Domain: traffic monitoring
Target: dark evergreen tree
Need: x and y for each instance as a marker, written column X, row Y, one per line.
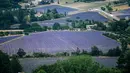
column 56, row 26
column 21, row 52
column 95, row 51
column 52, row 1
column 15, row 65
column 127, row 62
column 4, row 63
column 4, row 4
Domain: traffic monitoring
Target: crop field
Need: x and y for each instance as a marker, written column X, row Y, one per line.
column 51, row 22
column 90, row 16
column 60, row 41
column 30, row 64
column 79, row 16
column 122, row 7
column 124, row 16
column 4, row 39
column 125, row 11
column 60, row 9
column 122, row 13
column 85, row 6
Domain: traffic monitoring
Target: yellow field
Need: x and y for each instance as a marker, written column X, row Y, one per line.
column 122, row 7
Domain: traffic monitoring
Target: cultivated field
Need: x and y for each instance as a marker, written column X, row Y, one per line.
column 29, row 64
column 122, row 7
column 85, row 6
column 122, row 13
column 81, row 16
column 59, row 8
column 4, row 39
column 88, row 15
column 60, row 41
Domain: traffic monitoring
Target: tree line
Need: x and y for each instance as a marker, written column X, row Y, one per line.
column 119, row 30
column 9, row 65
column 95, row 51
column 76, row 64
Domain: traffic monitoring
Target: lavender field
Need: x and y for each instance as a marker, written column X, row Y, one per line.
column 50, row 23
column 60, row 9
column 4, row 39
column 90, row 16
column 30, row 64
column 122, row 13
column 60, row 41
column 80, row 16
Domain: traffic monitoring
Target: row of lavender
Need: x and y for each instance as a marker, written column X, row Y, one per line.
column 60, row 41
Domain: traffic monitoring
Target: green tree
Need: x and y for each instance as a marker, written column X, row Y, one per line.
column 73, row 24
column 65, row 27
column 128, row 30
column 52, row 1
column 5, row 4
column 123, row 57
column 56, row 26
column 127, row 62
column 118, row 26
column 21, row 52
column 77, row 51
column 128, row 2
column 107, row 70
column 15, row 65
column 36, row 27
column 77, row 64
column 4, row 63
column 41, row 71
column 103, row 8
column 128, row 40
column 95, row 51
column 109, row 8
column 114, row 52
column 2, row 34
column 32, row 15
column 59, row 69
column 54, row 11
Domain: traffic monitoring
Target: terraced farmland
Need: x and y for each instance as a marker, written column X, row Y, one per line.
column 60, row 41
column 60, row 9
